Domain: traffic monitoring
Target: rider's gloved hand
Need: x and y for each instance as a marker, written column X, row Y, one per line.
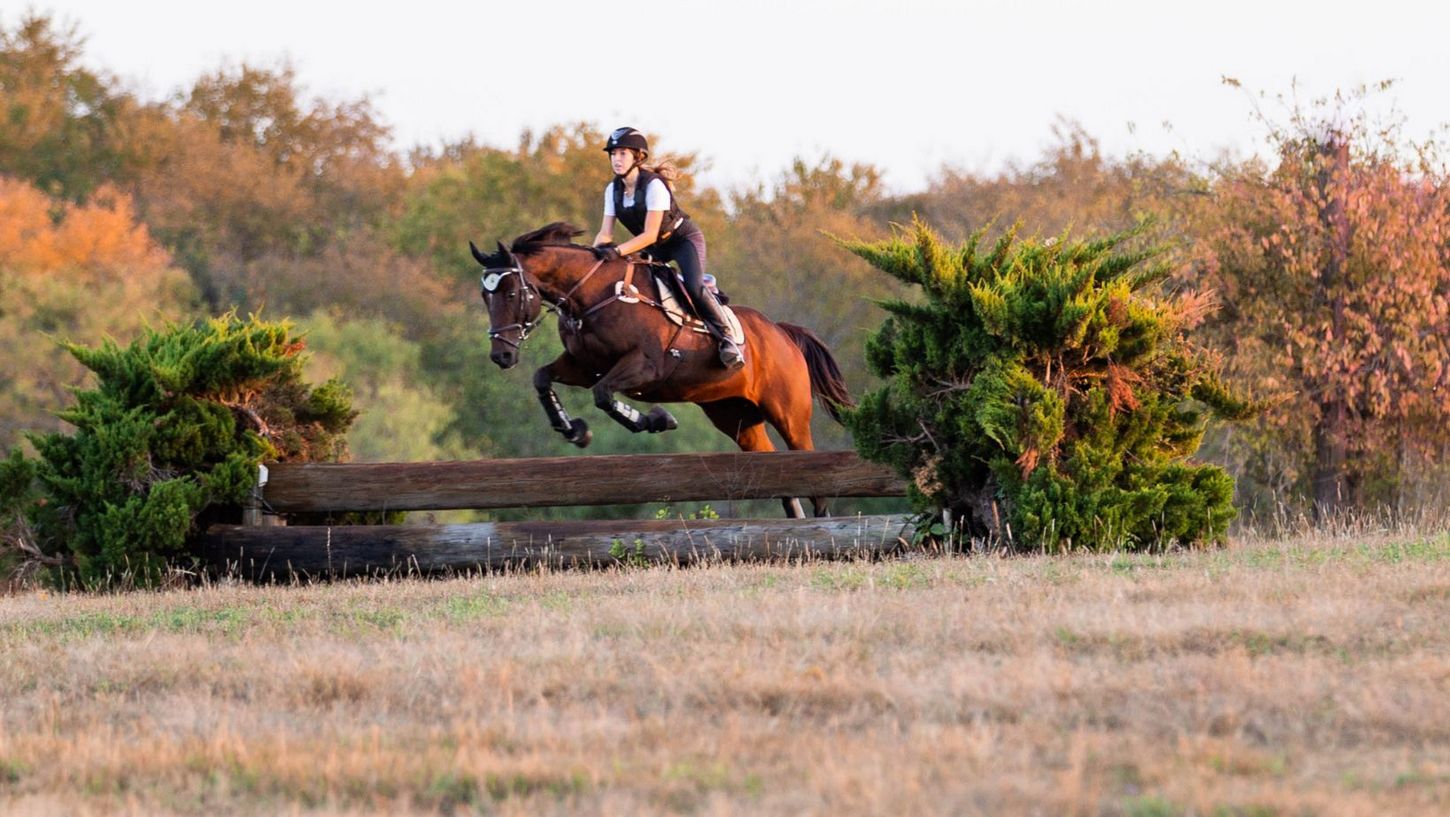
column 606, row 252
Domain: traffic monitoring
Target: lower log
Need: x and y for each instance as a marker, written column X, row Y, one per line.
column 270, row 553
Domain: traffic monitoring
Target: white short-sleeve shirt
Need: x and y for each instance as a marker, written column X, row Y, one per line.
column 656, row 197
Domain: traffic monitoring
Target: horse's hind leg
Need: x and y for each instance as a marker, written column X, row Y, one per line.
column 790, row 413
column 742, row 421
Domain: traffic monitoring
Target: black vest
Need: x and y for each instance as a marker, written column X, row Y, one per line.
column 633, row 217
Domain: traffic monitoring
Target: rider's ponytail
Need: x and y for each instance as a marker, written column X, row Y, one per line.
column 665, row 169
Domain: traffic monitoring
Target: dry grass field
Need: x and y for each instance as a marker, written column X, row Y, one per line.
column 1304, row 676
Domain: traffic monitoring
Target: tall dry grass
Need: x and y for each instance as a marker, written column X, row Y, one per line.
column 1302, row 676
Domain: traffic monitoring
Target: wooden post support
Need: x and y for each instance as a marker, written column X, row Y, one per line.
column 252, row 511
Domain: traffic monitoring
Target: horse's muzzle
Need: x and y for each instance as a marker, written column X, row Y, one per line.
column 505, row 358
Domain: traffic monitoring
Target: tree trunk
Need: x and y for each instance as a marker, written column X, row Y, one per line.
column 1331, row 450
column 1330, row 461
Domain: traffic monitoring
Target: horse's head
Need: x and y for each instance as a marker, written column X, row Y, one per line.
column 513, row 303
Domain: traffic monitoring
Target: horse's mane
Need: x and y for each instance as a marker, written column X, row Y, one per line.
column 558, row 234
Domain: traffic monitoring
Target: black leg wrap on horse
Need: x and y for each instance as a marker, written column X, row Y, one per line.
column 558, row 417
column 574, row 430
column 627, row 415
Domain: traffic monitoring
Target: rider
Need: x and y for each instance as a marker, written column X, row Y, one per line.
column 658, row 223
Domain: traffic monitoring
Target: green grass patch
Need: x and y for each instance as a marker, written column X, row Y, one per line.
column 471, row 608
column 226, row 620
column 1430, row 549
column 837, row 579
column 450, row 792
column 713, row 776
column 387, row 619
column 905, row 576
column 1250, row 810
column 84, row 625
column 1150, row 806
column 11, row 771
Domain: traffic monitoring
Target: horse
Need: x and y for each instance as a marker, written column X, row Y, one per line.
column 616, row 344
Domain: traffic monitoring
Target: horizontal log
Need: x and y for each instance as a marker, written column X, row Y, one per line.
column 554, row 481
column 279, row 552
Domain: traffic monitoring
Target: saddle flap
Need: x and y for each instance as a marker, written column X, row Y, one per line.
column 677, row 305
column 670, row 299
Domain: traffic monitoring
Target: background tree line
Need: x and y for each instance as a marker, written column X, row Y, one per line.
column 1329, row 264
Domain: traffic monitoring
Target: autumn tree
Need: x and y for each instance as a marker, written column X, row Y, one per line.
column 60, row 123
column 339, row 151
column 248, row 178
column 71, row 272
column 1332, row 263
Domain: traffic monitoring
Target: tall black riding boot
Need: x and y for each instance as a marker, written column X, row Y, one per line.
column 714, row 317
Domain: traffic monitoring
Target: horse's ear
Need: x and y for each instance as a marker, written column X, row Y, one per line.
column 477, row 256
column 504, row 251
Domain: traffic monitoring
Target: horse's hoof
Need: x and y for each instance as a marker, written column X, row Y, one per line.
column 581, row 435
column 661, row 420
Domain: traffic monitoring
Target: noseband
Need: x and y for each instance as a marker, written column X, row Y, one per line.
column 492, row 277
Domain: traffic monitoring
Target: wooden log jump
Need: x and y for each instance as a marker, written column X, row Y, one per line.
column 556, row 481
column 269, row 553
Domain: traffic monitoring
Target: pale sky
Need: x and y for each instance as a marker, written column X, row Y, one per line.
column 907, row 85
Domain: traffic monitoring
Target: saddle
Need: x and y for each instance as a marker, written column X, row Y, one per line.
column 675, row 302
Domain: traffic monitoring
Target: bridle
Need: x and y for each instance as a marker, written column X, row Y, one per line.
column 492, row 277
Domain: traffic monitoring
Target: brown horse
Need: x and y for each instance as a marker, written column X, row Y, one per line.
column 619, row 345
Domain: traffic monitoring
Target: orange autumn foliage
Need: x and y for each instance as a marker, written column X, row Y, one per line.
column 41, row 237
column 77, row 272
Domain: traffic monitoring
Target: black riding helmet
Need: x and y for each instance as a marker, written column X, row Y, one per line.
column 627, row 138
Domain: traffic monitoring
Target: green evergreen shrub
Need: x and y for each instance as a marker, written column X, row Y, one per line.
column 1045, row 393
column 167, row 440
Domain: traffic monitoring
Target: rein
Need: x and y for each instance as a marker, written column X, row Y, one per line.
column 576, row 323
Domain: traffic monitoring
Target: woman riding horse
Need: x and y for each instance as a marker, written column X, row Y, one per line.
column 660, row 225
column 619, row 341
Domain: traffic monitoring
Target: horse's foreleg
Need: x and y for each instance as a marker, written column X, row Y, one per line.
column 574, row 429
column 630, row 373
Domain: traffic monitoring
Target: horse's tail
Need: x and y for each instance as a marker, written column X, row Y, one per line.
column 826, row 382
